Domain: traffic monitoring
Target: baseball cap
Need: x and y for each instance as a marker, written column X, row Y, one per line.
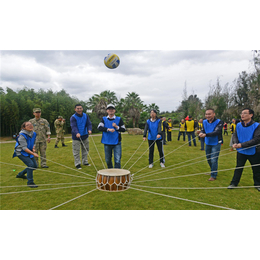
column 36, row 110
column 110, row 106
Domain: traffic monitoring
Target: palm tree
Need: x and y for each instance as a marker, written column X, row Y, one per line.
column 98, row 103
column 133, row 106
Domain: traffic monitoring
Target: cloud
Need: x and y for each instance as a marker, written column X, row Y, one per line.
column 157, row 76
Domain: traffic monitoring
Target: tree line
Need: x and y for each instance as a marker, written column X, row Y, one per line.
column 17, row 107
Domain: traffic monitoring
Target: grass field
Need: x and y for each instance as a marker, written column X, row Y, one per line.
column 167, row 189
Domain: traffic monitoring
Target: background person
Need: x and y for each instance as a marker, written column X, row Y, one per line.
column 59, row 128
column 42, row 128
column 169, row 130
column 112, row 126
column 154, row 129
column 81, row 127
column 190, row 130
column 201, row 139
column 212, row 132
column 247, row 134
column 181, row 130
column 225, row 126
column 232, row 130
column 25, row 151
column 164, row 129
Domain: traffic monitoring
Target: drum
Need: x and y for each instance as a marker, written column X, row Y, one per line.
column 113, row 179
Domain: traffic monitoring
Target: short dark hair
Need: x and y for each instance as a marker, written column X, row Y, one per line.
column 251, row 111
column 23, row 124
column 210, row 109
column 78, row 105
column 153, row 110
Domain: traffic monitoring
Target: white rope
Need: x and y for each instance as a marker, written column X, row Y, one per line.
column 88, row 154
column 67, row 167
column 133, row 154
column 164, row 170
column 44, row 184
column 193, row 188
column 38, row 169
column 73, row 199
column 34, row 190
column 163, row 156
column 143, row 154
column 193, row 174
column 160, row 170
column 98, row 152
column 173, row 197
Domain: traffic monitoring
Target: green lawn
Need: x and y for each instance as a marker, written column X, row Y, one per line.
column 56, row 188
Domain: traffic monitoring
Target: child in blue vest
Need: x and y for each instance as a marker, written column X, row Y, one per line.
column 154, row 128
column 112, row 126
column 246, row 140
column 25, row 151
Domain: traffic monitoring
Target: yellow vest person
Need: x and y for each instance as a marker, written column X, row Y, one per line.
column 181, row 130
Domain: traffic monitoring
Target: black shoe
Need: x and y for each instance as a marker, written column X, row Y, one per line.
column 258, row 188
column 56, row 146
column 78, row 167
column 64, row 145
column 22, row 177
column 231, row 186
column 45, row 166
column 32, row 185
column 87, row 164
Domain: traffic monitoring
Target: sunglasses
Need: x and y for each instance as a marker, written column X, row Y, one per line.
column 37, row 112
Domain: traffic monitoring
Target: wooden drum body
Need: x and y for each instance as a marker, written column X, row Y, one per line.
column 113, row 179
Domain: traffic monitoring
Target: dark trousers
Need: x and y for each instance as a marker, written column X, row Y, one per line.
column 164, row 137
column 225, row 132
column 241, row 160
column 181, row 133
column 159, row 144
column 202, row 143
column 191, row 134
column 169, row 136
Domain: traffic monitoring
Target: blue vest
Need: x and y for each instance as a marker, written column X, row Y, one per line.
column 153, row 129
column 81, row 124
column 245, row 134
column 109, row 137
column 30, row 143
column 209, row 127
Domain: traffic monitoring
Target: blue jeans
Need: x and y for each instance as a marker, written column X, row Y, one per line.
column 212, row 153
column 117, row 154
column 30, row 162
column 193, row 137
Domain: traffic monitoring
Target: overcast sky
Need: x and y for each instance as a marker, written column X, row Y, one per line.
column 157, row 76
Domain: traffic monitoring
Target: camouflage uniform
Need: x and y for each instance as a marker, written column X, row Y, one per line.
column 59, row 130
column 42, row 128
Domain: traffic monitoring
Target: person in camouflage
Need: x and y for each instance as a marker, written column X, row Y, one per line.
column 59, row 124
column 42, row 128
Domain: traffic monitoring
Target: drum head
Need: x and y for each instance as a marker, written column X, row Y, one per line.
column 113, row 172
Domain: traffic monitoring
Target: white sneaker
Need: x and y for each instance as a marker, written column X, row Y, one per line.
column 151, row 165
column 162, row 165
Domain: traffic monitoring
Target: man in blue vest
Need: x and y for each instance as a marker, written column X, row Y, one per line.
column 112, row 126
column 246, row 139
column 212, row 132
column 81, row 127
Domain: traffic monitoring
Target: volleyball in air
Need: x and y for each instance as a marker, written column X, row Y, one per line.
column 112, row 61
